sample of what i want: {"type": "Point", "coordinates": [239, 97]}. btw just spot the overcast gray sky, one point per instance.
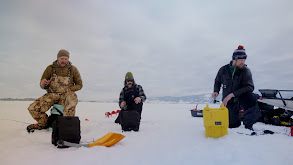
{"type": "Point", "coordinates": [173, 48]}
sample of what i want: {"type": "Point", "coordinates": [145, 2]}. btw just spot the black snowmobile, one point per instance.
{"type": "Point", "coordinates": [276, 108]}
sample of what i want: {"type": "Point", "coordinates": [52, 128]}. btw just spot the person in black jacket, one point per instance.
{"type": "Point", "coordinates": [131, 96]}
{"type": "Point", "coordinates": [237, 84]}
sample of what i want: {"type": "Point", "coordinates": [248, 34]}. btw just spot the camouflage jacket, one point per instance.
{"type": "Point", "coordinates": [75, 79]}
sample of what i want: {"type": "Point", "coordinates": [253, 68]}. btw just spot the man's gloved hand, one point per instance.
{"type": "Point", "coordinates": [215, 95]}
{"type": "Point", "coordinates": [123, 103]}
{"type": "Point", "coordinates": [44, 82]}
{"type": "Point", "coordinates": [137, 100]}
{"type": "Point", "coordinates": [227, 98]}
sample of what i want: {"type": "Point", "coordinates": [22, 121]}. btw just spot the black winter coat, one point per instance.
{"type": "Point", "coordinates": [129, 94]}
{"type": "Point", "coordinates": [239, 84]}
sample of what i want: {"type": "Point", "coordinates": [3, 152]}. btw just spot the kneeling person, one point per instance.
{"type": "Point", "coordinates": [131, 97]}
{"type": "Point", "coordinates": [236, 81]}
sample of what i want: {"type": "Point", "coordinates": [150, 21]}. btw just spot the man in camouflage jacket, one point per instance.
{"type": "Point", "coordinates": [61, 80]}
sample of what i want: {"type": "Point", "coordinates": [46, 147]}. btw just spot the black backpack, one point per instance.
{"type": "Point", "coordinates": [130, 120]}
{"type": "Point", "coordinates": [66, 128]}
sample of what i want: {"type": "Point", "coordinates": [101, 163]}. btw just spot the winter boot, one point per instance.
{"type": "Point", "coordinates": [249, 127]}
{"type": "Point", "coordinates": [32, 127]}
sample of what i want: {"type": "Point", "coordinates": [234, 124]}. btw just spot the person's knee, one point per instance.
{"type": "Point", "coordinates": [69, 110]}
{"type": "Point", "coordinates": [248, 100]}
{"type": "Point", "coordinates": [71, 98]}
{"type": "Point", "coordinates": [32, 106]}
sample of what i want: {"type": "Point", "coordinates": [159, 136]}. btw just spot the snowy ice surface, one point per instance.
{"type": "Point", "coordinates": [168, 135]}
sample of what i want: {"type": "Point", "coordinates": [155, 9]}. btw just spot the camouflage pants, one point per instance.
{"type": "Point", "coordinates": [40, 106]}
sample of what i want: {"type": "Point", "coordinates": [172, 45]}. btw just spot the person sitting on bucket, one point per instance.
{"type": "Point", "coordinates": [237, 84]}
{"type": "Point", "coordinates": [61, 80]}
{"type": "Point", "coordinates": [131, 96]}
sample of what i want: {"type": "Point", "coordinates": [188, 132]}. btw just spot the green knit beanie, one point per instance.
{"type": "Point", "coordinates": [129, 76]}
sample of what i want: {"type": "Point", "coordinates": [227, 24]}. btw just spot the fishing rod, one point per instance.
{"type": "Point", "coordinates": [15, 121]}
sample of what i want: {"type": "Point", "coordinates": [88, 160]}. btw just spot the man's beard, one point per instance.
{"type": "Point", "coordinates": [241, 66]}
{"type": "Point", "coordinates": [130, 84]}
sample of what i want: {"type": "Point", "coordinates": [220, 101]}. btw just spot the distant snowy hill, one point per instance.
{"type": "Point", "coordinates": [193, 99]}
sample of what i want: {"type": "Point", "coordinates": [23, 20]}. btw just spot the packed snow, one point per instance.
{"type": "Point", "coordinates": [168, 135]}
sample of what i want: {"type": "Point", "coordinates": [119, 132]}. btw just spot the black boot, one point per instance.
{"type": "Point", "coordinates": [249, 127]}
{"type": "Point", "coordinates": [32, 127]}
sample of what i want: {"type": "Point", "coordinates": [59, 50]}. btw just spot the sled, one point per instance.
{"type": "Point", "coordinates": [272, 98]}
{"type": "Point", "coordinates": [108, 140]}
{"type": "Point", "coordinates": [196, 112]}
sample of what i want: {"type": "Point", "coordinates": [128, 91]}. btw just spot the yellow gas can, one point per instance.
{"type": "Point", "coordinates": [216, 121]}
